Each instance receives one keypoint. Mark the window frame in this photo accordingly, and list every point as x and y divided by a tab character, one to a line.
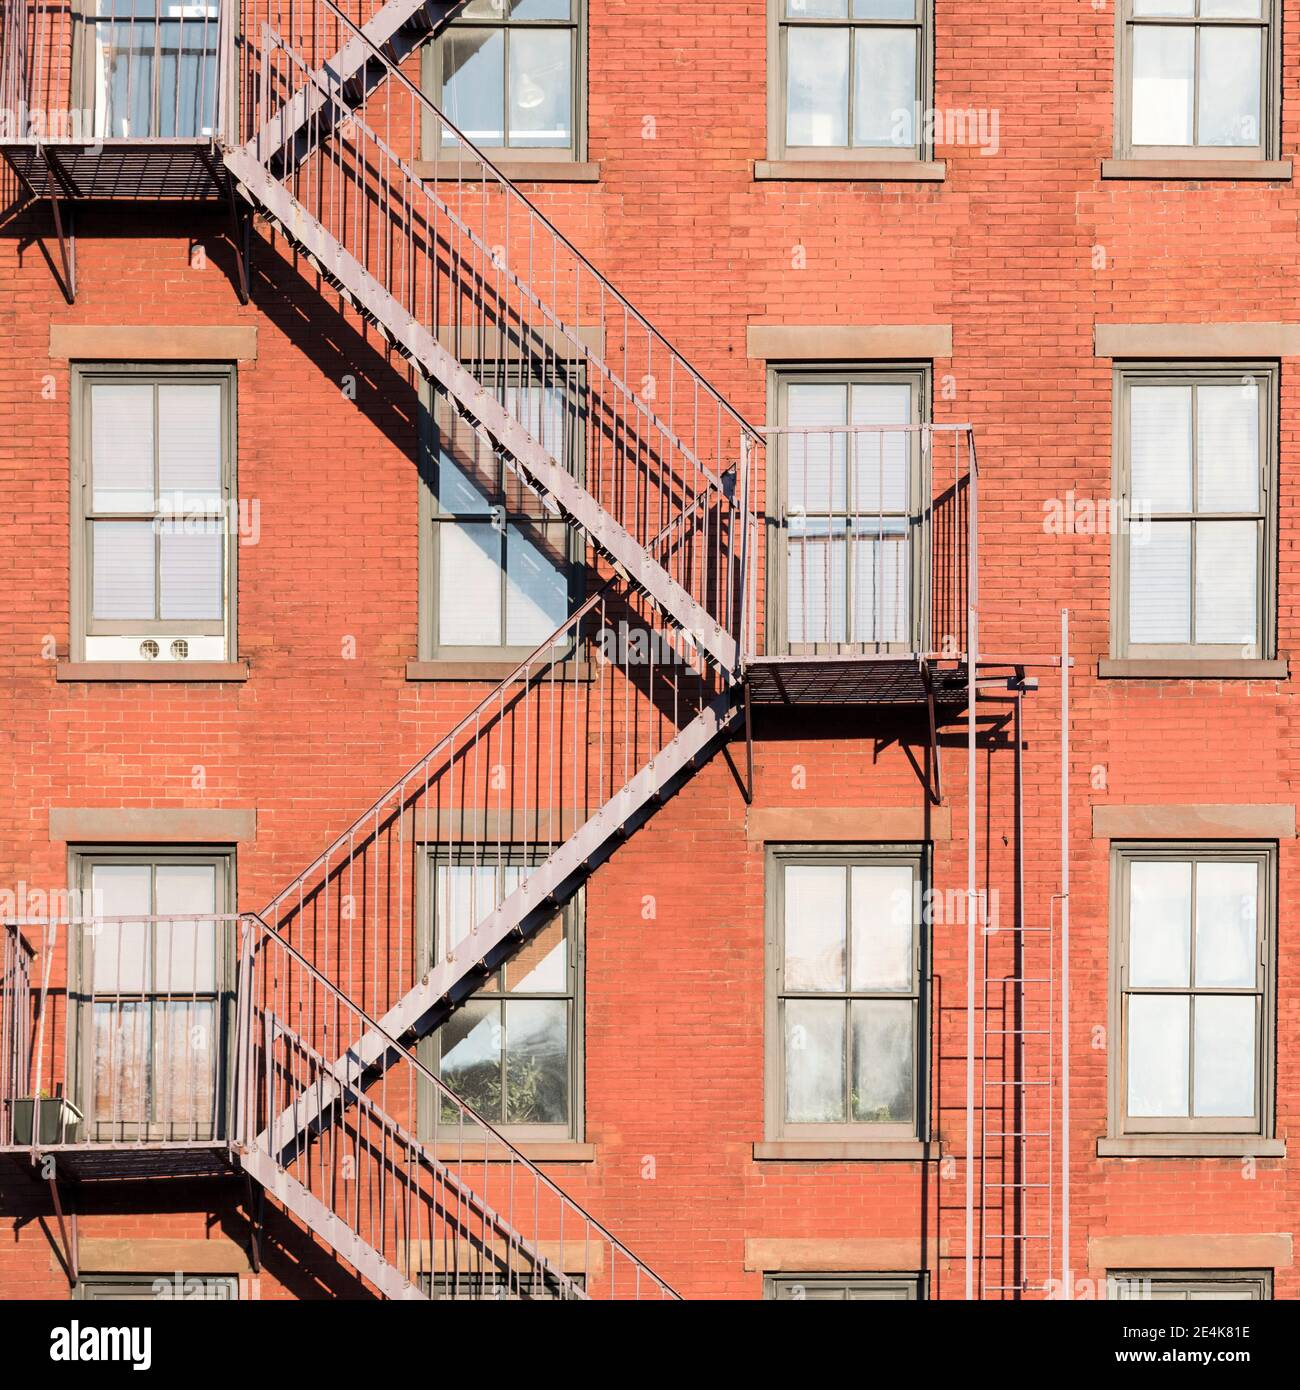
1270	84
97	1288
778	27
83	514
915	374
1123	856
80	1022
1192	374
428	1049
913	1287
432	78
432	517
1194	1281
778	857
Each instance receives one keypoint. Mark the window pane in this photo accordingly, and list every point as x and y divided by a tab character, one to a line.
119	950
468	471
884	87
541	88
1162	85
122	1060
1229	89
1164	7
471	1056
884	913
543	412
123	573
192	560
1225	1055
881	462
817	9
189	447
814	1061
1157	1054
121	448
187	75
124	79
184	1064
882	584
537	1062
814	926
186	951
537	583
473	88
883	1051
465	894
884	9
530	9
1160	923
1227	448
815	583
1160	448
541	965
1160	584
1227	568
817	87
469	585
816	462
1230	9
1227	917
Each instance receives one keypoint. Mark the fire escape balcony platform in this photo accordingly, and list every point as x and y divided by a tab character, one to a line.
143	170
130	1160
855	679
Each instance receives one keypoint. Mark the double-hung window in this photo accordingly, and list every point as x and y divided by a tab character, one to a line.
512	1051
500	573
1198	79
1196	552
845	995
153	562
1190	1285
151	995
843	1288
509	74
847	501
850	78
1192	983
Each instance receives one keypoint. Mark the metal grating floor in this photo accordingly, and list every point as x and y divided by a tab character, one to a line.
852	680
123	170
124	1162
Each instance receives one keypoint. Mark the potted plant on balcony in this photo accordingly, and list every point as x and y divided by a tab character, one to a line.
58	1117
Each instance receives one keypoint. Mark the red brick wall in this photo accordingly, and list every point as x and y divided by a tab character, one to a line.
1004	251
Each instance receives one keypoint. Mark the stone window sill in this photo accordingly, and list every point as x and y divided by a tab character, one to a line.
488	671
1139	668
856	1151
537	1151
852	170
1198	170
1191	1146
178	671
516	170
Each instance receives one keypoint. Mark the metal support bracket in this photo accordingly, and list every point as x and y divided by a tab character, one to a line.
255	1200
934	779
67	249
67	1233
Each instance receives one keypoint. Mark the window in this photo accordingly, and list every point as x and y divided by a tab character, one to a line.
153	563
1196	554
151	997
512	1051
846	503
471	1286
842	1288
145	1288
499	572
845	1054
1193	1285
510	75
150	69
1198	79
849	78
1193	1003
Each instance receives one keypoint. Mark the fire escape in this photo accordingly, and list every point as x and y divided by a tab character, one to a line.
309	1077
